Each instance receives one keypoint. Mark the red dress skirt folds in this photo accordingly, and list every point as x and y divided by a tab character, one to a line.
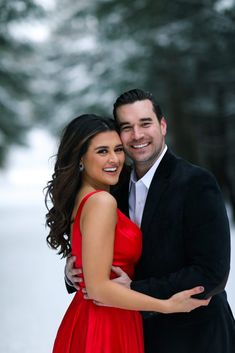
88	328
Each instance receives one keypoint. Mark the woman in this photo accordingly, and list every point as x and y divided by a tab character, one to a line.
85	219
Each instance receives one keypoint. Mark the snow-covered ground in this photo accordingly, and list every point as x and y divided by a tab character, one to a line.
32	296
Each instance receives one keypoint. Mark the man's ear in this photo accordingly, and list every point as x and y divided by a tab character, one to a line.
163	125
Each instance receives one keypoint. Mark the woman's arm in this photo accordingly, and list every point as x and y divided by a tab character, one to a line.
98	222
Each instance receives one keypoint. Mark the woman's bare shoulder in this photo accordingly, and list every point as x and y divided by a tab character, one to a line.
103	200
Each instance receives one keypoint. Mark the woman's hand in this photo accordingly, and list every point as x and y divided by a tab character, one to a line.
183	301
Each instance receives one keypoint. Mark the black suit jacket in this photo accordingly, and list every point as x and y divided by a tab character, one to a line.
186	242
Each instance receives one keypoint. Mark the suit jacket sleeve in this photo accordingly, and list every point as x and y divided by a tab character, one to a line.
70	289
206	239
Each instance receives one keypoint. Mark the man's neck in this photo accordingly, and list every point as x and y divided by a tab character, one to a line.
142	169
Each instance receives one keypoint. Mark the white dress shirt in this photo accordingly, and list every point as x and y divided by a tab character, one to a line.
138	190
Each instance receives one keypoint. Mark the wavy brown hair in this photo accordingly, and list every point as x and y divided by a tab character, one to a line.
62	189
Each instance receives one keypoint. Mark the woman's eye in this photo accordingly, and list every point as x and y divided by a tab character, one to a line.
119	149
102	151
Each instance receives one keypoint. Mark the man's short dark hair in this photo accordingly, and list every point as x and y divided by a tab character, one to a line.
133	96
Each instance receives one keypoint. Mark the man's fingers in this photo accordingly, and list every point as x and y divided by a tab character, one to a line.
76	287
100	304
77	280
84	290
76	271
122	277
97	303
70	260
118	270
73	274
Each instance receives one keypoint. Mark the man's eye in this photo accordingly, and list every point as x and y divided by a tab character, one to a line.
125	128
146	124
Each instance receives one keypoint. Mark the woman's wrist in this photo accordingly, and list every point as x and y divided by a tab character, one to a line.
166	303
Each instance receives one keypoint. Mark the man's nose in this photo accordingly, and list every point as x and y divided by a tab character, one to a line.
137	133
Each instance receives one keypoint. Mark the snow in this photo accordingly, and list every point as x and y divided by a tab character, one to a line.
33	295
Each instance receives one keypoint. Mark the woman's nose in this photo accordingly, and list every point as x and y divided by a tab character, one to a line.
113	157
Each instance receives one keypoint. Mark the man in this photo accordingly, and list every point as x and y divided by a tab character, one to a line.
186	240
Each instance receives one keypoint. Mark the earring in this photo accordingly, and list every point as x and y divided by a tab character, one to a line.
81	166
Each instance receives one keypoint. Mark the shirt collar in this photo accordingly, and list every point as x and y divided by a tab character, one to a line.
147	178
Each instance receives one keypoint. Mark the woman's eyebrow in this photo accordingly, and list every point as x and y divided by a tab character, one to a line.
97	148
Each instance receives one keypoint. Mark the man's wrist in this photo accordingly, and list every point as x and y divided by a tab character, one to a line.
68	282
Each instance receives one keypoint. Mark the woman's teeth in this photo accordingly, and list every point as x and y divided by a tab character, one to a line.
110	169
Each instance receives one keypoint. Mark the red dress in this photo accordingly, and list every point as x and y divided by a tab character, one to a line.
88	328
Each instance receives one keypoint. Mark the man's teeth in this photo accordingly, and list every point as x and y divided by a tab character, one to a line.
140	146
110	169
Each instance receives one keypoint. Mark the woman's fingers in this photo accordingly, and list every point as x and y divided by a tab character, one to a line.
184	302
194	291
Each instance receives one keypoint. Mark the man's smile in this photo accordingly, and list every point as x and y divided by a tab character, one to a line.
139	146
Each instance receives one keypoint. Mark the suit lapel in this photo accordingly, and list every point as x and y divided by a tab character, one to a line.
157	188
122	200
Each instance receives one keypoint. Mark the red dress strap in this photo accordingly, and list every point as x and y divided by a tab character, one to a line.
84	199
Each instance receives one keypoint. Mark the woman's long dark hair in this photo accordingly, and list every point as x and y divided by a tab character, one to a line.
61	191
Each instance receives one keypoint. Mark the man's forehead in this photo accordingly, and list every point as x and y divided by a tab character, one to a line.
137	106
125	121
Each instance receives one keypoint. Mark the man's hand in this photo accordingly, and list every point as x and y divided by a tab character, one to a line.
72	274
122	278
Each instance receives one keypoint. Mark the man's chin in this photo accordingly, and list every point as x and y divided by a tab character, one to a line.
144	160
